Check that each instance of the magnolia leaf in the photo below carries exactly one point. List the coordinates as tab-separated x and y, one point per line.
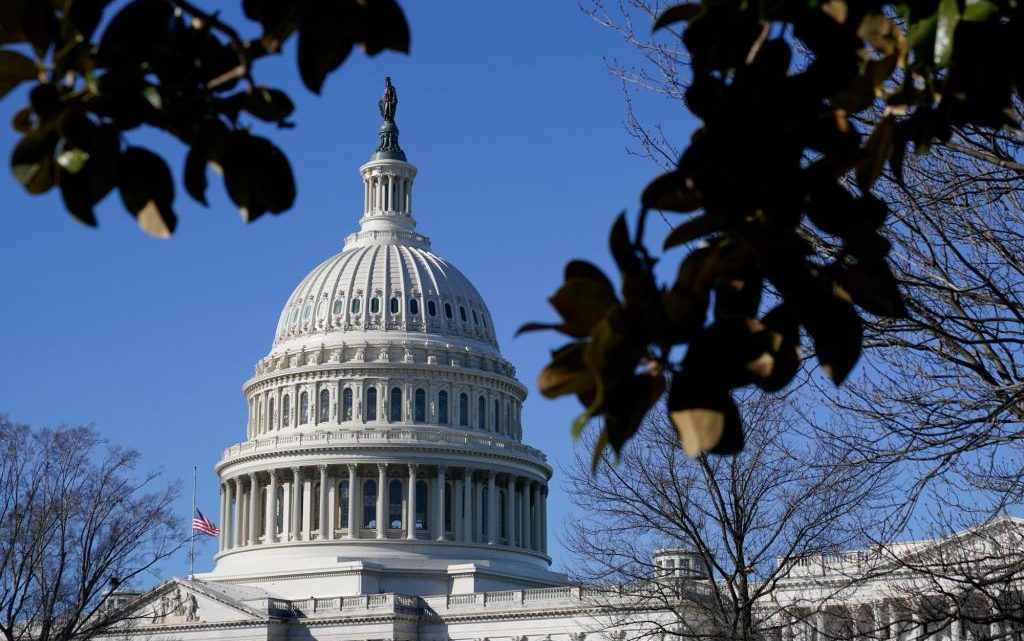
978	10
877	149
72	160
32	161
147	191
948	17
679	13
566	373
14	69
691	230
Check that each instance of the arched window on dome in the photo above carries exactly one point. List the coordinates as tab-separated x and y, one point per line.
414	306
463	410
497	416
448	507
396	405
481	413
343	499
462	313
355	305
286	410
374	305
420	406
303	408
502	526
447	310
442	407
324	413
395	511
346	404
394	305
370	504
476	321
270	413
431	308
483	320
422	521
371	403
339	306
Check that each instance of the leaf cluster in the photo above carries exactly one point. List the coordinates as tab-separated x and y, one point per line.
782	157
170	65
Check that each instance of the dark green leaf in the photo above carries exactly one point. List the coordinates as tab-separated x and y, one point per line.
692	230
147	191
384	27
678	13
706	418
271	105
32	161
566	373
323	43
948	17
14	69
877	149
257	176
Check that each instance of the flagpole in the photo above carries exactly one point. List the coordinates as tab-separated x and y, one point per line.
192	540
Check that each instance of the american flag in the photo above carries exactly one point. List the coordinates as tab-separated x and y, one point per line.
204	525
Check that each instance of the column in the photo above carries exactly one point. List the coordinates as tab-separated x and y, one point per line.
236	521
293	514
332	502
271	533
322	502
535	520
467	505
411	521
254	497
307	509
225	523
527	520
439	502
510	510
353	494
382	479
492	509
478	512
880	620
221	519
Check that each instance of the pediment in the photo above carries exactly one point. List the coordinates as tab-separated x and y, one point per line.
179	602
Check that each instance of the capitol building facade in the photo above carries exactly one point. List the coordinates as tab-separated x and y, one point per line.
384	490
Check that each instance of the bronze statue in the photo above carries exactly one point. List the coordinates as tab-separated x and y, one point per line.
389	101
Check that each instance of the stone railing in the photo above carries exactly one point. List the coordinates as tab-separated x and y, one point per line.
341	437
353	604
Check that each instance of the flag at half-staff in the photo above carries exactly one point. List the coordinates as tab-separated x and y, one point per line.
204	525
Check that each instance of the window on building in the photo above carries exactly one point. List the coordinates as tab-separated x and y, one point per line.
448	507
447	310
342	504
346	404
475	320
395	519
442	407
396	405
414	306
286	410
394	305
324	415
339	307
431	308
370	504
355	305
420	409
462	313
307	311
481	413
422	506
303	408
483	514
371	403
374	305
463	409
497	416
502	526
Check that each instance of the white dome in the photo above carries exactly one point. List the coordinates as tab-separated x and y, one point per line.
371	292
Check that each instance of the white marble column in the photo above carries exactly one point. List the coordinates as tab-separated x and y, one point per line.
236	521
322	503
544	519
296	504
381	493
492	510
510	510
439	502
353	485
467	505
535	519
254	497
411	522
478	513
524	517
223	521
271	533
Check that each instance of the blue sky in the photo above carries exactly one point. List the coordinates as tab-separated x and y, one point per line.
516	128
